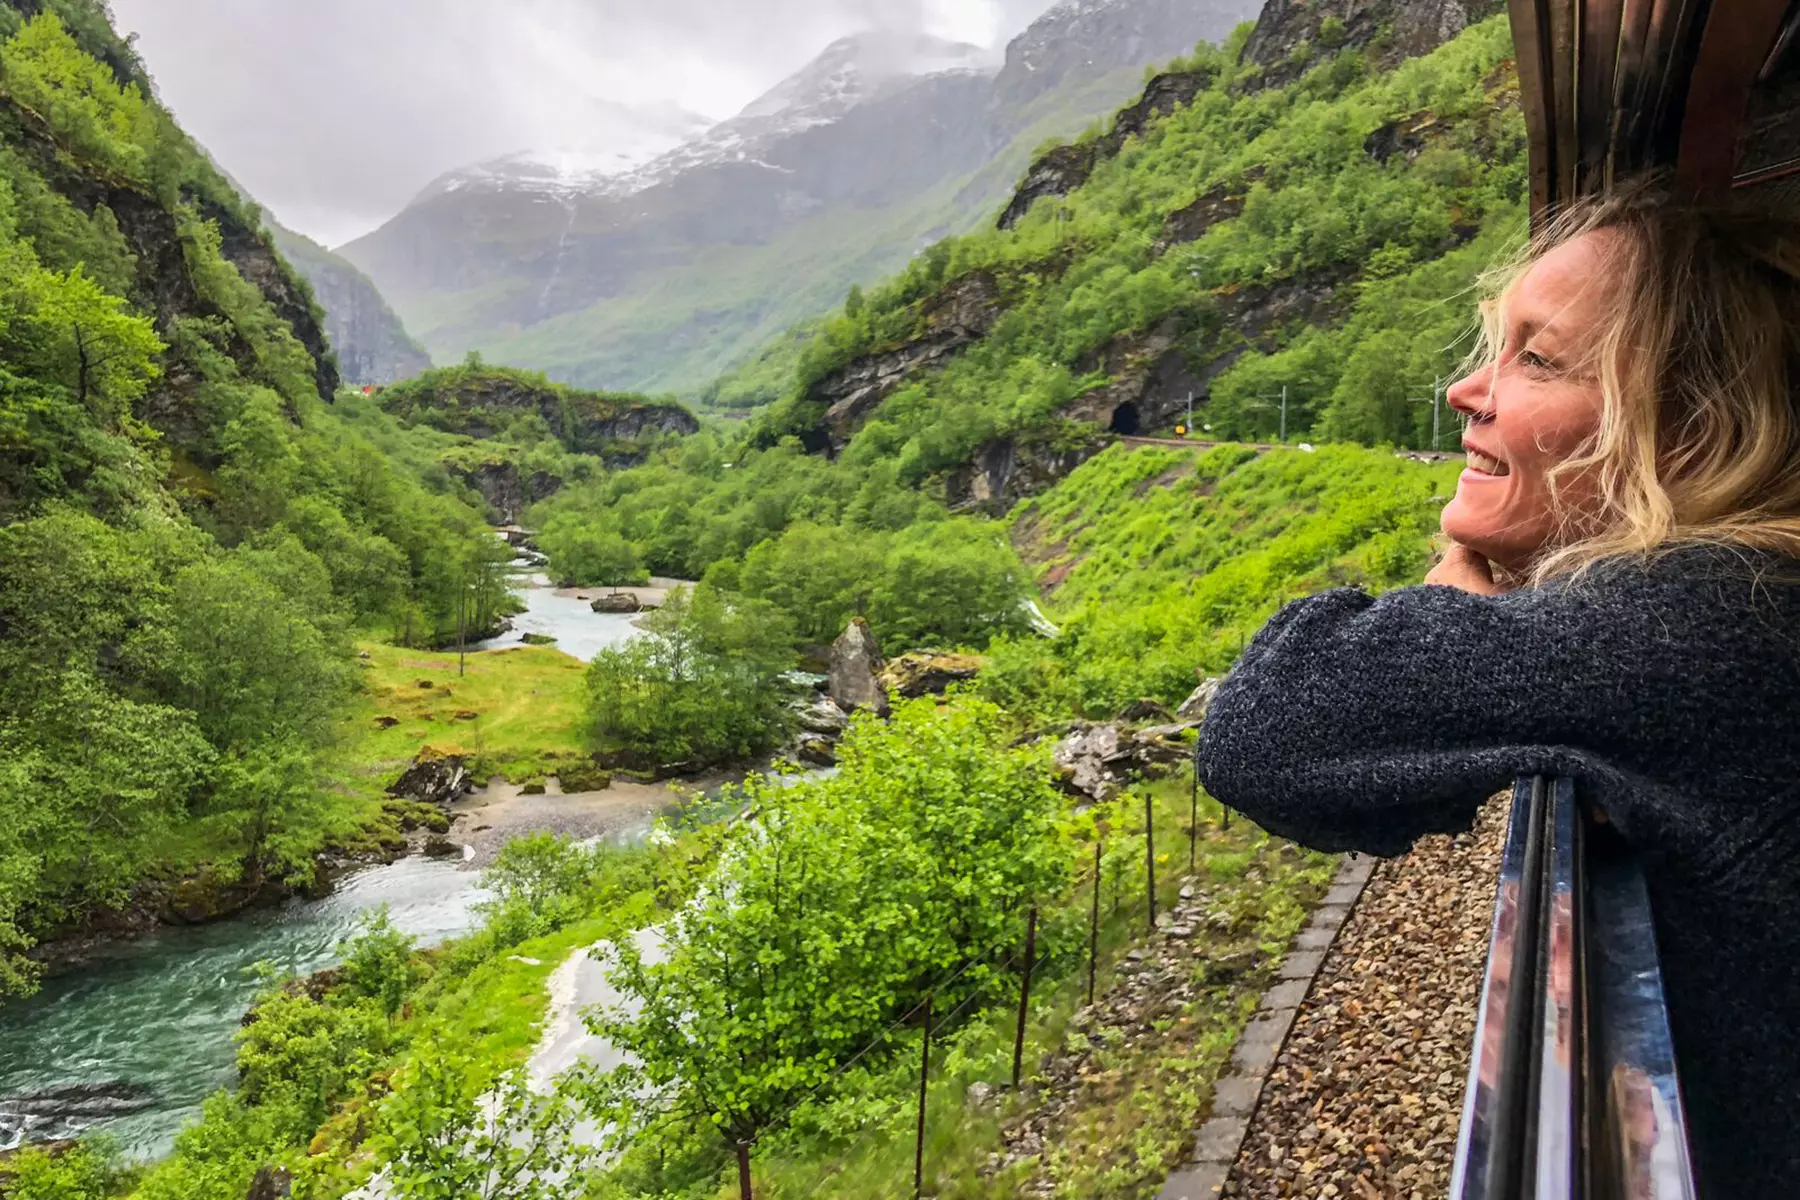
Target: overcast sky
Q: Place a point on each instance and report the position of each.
(335, 113)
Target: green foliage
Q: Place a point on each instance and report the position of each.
(841, 903)
(89, 1171)
(451, 1142)
(187, 536)
(299, 1057)
(589, 556)
(379, 964)
(700, 685)
(1166, 560)
(46, 71)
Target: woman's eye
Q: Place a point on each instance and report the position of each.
(1534, 361)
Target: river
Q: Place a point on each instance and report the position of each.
(148, 1022)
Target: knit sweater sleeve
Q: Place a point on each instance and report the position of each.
(1362, 723)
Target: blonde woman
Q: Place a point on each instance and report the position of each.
(1620, 605)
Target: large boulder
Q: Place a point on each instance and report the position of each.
(855, 668)
(928, 672)
(821, 715)
(433, 778)
(617, 602)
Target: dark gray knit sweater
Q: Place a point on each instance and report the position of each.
(1669, 690)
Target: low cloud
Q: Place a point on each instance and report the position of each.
(334, 113)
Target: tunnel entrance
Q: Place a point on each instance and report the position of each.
(1125, 420)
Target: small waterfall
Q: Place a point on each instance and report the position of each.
(571, 202)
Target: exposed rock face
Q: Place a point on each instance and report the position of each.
(928, 672)
(372, 345)
(1291, 35)
(960, 313)
(821, 715)
(855, 665)
(47, 1118)
(271, 1183)
(433, 779)
(480, 403)
(1006, 470)
(508, 494)
(1065, 168)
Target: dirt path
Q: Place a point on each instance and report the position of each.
(1365, 1098)
(489, 817)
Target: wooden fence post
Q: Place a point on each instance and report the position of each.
(1094, 922)
(1024, 995)
(924, 1078)
(1150, 856)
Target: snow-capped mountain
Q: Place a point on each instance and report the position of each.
(632, 138)
(657, 264)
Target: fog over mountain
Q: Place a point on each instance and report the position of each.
(398, 93)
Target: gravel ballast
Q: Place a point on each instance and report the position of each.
(1364, 1099)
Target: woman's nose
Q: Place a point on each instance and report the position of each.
(1473, 394)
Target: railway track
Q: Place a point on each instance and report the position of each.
(1196, 444)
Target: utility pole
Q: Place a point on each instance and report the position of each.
(1273, 401)
(1437, 408)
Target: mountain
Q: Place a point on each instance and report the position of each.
(371, 344)
(1268, 235)
(660, 276)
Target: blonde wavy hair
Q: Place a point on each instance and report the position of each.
(1698, 359)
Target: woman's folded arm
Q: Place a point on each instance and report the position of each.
(1358, 722)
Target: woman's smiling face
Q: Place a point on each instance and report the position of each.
(1533, 408)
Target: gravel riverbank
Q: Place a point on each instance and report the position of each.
(1365, 1097)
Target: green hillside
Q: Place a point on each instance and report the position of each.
(189, 533)
(1160, 562)
(1317, 235)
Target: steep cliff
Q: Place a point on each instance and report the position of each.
(371, 344)
(658, 277)
(483, 402)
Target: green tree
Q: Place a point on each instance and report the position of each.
(589, 555)
(452, 1141)
(380, 962)
(702, 682)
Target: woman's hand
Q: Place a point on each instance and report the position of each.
(1467, 570)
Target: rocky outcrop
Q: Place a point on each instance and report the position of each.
(855, 668)
(1199, 700)
(1292, 36)
(508, 493)
(480, 401)
(928, 672)
(372, 346)
(433, 778)
(271, 1183)
(955, 316)
(1190, 222)
(1065, 168)
(46, 1119)
(1008, 469)
(1096, 761)
(252, 252)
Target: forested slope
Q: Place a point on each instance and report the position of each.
(1316, 233)
(188, 531)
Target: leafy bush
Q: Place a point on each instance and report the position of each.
(701, 684)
